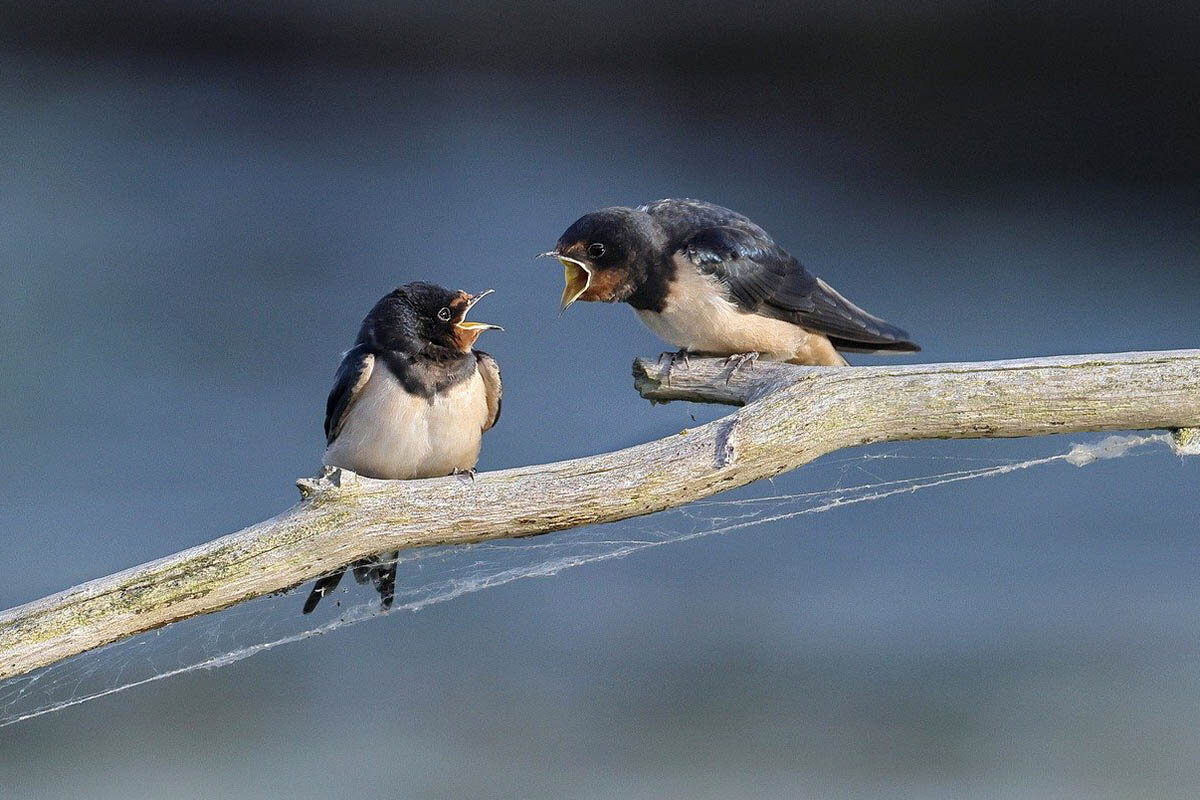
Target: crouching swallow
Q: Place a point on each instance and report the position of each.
(411, 399)
(708, 280)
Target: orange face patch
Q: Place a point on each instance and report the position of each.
(464, 339)
(574, 250)
(604, 285)
(465, 332)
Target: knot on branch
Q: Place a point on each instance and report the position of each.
(330, 479)
(712, 380)
(726, 448)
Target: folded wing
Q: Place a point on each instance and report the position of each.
(489, 370)
(764, 278)
(352, 375)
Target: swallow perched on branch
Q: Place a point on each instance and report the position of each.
(708, 280)
(411, 399)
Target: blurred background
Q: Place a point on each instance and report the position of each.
(199, 202)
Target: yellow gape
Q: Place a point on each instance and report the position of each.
(576, 279)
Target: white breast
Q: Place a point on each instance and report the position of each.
(392, 434)
(697, 316)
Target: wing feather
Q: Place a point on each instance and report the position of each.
(489, 370)
(352, 375)
(764, 278)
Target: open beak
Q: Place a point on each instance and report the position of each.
(576, 278)
(476, 326)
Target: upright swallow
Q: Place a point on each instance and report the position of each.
(411, 399)
(708, 280)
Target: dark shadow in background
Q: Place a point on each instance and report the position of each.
(958, 91)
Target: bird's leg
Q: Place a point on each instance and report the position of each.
(672, 359)
(470, 473)
(738, 360)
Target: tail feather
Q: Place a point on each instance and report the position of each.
(377, 570)
(363, 571)
(900, 345)
(322, 587)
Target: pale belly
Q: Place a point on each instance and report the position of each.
(391, 434)
(696, 317)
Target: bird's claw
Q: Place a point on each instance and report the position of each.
(672, 359)
(469, 473)
(738, 360)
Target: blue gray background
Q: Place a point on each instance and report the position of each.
(198, 204)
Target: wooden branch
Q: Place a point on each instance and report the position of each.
(791, 416)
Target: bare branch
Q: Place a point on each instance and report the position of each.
(791, 416)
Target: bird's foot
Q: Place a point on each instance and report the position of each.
(465, 474)
(673, 358)
(738, 360)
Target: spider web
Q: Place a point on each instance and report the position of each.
(434, 575)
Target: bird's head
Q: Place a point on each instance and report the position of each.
(418, 314)
(604, 255)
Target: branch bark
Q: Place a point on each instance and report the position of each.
(791, 415)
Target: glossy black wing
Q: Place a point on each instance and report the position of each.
(352, 375)
(489, 370)
(763, 278)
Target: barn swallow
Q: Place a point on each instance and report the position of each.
(708, 280)
(411, 399)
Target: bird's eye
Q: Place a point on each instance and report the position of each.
(595, 250)
(444, 314)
